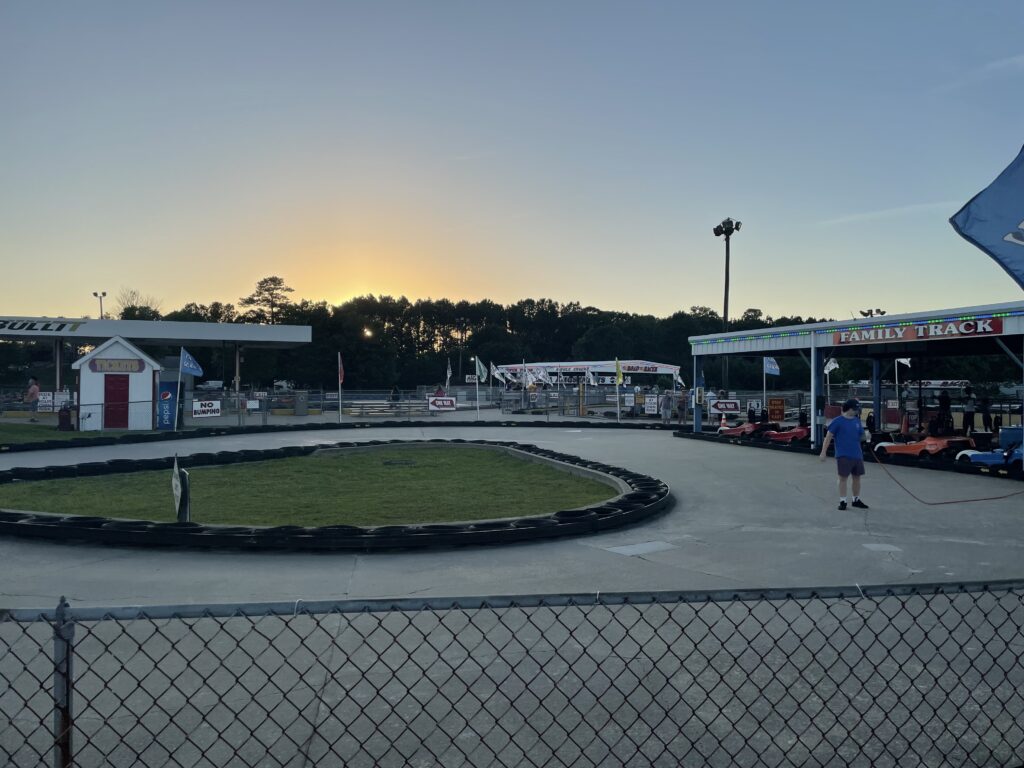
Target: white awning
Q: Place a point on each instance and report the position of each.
(629, 367)
(156, 332)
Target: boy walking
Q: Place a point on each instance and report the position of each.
(848, 433)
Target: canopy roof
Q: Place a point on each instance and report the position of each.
(154, 332)
(980, 330)
(595, 366)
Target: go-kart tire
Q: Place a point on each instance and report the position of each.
(881, 453)
(964, 460)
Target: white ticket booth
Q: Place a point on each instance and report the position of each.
(117, 385)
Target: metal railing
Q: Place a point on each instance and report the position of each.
(861, 676)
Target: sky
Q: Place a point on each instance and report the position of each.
(573, 150)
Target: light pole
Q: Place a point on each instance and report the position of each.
(876, 377)
(99, 295)
(726, 228)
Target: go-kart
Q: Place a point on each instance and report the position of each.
(787, 436)
(930, 446)
(749, 429)
(1011, 459)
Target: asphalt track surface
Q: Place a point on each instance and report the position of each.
(742, 519)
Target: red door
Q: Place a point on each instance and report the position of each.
(115, 399)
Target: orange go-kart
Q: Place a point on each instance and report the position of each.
(924, 449)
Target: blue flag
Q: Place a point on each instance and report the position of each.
(994, 220)
(188, 364)
(771, 367)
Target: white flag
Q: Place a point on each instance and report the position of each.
(590, 378)
(831, 365)
(448, 376)
(176, 484)
(679, 380)
(497, 374)
(542, 376)
(903, 361)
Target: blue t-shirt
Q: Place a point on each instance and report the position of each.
(847, 433)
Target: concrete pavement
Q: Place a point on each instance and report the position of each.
(743, 518)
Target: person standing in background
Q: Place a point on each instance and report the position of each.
(986, 413)
(969, 403)
(32, 396)
(667, 399)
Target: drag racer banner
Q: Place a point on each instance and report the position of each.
(956, 329)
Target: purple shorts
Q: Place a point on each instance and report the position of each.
(848, 466)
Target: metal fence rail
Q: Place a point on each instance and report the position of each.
(873, 676)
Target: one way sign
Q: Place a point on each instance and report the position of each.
(441, 403)
(725, 406)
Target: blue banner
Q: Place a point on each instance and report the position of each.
(994, 220)
(771, 367)
(166, 404)
(188, 364)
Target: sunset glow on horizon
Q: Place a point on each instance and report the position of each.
(576, 151)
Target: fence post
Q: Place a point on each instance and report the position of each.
(63, 676)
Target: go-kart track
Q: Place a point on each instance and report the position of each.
(742, 519)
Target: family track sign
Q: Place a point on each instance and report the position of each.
(957, 329)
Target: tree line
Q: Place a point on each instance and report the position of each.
(387, 341)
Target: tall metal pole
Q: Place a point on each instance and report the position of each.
(725, 312)
(725, 317)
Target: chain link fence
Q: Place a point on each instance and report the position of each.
(873, 676)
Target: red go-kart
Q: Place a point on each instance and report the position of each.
(750, 429)
(795, 434)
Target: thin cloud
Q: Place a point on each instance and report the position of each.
(1010, 64)
(470, 156)
(892, 213)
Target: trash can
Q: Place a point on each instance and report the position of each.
(302, 403)
(64, 419)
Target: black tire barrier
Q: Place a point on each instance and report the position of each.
(158, 437)
(59, 472)
(29, 473)
(647, 496)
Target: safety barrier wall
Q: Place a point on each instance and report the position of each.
(928, 675)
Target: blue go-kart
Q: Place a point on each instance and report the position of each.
(1008, 457)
